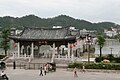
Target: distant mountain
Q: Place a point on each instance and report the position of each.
(61, 20)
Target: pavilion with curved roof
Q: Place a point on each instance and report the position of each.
(31, 37)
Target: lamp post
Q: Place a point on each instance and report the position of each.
(14, 63)
(111, 50)
(111, 54)
(89, 43)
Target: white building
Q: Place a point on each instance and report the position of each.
(110, 32)
(85, 31)
(57, 26)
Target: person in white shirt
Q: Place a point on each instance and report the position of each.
(75, 72)
(83, 68)
(2, 74)
(45, 69)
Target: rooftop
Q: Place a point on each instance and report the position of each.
(44, 34)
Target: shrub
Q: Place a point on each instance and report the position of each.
(99, 59)
(110, 66)
(117, 60)
(2, 56)
(110, 57)
(77, 65)
(2, 65)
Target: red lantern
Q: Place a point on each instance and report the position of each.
(14, 45)
(74, 44)
(71, 46)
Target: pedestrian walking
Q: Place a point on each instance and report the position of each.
(41, 71)
(45, 69)
(75, 72)
(83, 68)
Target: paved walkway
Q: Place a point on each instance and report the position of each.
(60, 74)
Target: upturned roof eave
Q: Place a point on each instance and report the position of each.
(29, 39)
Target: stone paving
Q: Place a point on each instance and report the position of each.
(60, 74)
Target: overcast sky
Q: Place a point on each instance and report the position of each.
(90, 10)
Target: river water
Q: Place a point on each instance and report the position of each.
(110, 43)
(111, 46)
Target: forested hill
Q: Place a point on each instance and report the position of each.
(61, 20)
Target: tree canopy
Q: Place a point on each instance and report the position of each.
(117, 37)
(5, 42)
(61, 20)
(100, 42)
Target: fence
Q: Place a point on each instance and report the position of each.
(34, 65)
(27, 65)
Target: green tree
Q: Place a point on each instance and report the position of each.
(117, 37)
(61, 20)
(5, 42)
(101, 42)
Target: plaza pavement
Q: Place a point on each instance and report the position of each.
(60, 74)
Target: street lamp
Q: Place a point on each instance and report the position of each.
(14, 63)
(111, 50)
(111, 54)
(89, 43)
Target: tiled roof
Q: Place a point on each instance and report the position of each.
(44, 34)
